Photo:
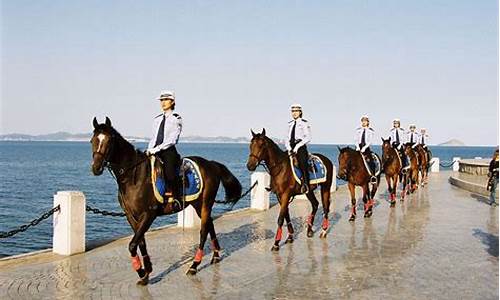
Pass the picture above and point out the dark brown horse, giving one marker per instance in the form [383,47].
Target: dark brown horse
[136,196]
[423,163]
[410,178]
[391,166]
[352,169]
[263,149]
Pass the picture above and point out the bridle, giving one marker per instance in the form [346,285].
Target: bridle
[112,166]
[269,168]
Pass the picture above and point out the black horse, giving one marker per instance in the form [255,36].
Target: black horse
[136,195]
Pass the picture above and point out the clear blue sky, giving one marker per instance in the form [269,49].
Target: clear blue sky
[237,65]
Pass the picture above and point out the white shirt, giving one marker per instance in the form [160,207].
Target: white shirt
[302,132]
[423,139]
[172,131]
[369,133]
[401,135]
[412,136]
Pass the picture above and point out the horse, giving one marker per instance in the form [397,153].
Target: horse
[132,171]
[424,163]
[411,176]
[352,169]
[277,161]
[391,166]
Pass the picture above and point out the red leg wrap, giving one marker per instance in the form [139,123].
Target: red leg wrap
[136,263]
[279,233]
[310,220]
[198,256]
[325,224]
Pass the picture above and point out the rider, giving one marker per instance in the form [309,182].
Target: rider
[167,128]
[299,135]
[412,138]
[396,134]
[423,137]
[364,137]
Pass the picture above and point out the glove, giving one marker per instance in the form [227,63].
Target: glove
[149,152]
[357,148]
[291,153]
[363,149]
[295,150]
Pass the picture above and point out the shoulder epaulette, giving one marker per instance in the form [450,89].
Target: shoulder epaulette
[177,115]
[159,115]
[358,128]
[291,121]
[304,120]
[371,129]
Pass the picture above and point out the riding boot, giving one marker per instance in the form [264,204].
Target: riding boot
[304,187]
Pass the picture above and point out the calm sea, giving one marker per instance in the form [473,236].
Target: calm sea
[32,172]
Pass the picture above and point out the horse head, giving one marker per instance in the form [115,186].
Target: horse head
[102,141]
[343,162]
[258,145]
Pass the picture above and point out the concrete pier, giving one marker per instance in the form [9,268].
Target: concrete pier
[441,243]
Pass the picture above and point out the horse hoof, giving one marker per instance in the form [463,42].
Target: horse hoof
[352,218]
[310,233]
[275,248]
[322,235]
[215,260]
[289,240]
[393,203]
[144,280]
[191,271]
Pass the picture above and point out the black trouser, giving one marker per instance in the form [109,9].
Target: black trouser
[401,154]
[369,158]
[171,161]
[303,160]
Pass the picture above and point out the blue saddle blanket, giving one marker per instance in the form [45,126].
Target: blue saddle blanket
[193,183]
[317,170]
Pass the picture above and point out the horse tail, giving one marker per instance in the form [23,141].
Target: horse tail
[231,184]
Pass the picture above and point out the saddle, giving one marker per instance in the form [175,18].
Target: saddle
[188,170]
[316,168]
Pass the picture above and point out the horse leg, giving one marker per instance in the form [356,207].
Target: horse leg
[204,214]
[215,243]
[352,191]
[289,226]
[395,180]
[310,218]
[390,189]
[325,199]
[366,200]
[146,259]
[141,227]
[284,201]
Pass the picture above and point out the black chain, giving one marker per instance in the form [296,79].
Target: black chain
[447,166]
[6,234]
[104,212]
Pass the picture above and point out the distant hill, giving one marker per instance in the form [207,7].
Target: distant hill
[452,142]
[66,136]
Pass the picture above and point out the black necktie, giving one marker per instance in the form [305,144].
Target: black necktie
[411,137]
[397,136]
[363,141]
[292,135]
[161,129]
[423,141]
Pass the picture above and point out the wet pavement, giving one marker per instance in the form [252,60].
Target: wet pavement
[441,243]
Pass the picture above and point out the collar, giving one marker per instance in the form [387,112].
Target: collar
[168,113]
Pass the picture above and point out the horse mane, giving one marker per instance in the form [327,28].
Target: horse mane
[273,145]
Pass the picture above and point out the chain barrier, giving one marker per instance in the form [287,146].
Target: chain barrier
[6,234]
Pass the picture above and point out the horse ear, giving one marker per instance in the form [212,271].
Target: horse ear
[389,139]
[340,149]
[253,133]
[94,122]
[108,122]
[263,131]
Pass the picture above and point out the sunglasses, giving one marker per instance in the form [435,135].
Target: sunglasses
[296,110]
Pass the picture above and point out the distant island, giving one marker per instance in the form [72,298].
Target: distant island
[85,137]
[452,142]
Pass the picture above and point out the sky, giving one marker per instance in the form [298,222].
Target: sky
[236,65]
